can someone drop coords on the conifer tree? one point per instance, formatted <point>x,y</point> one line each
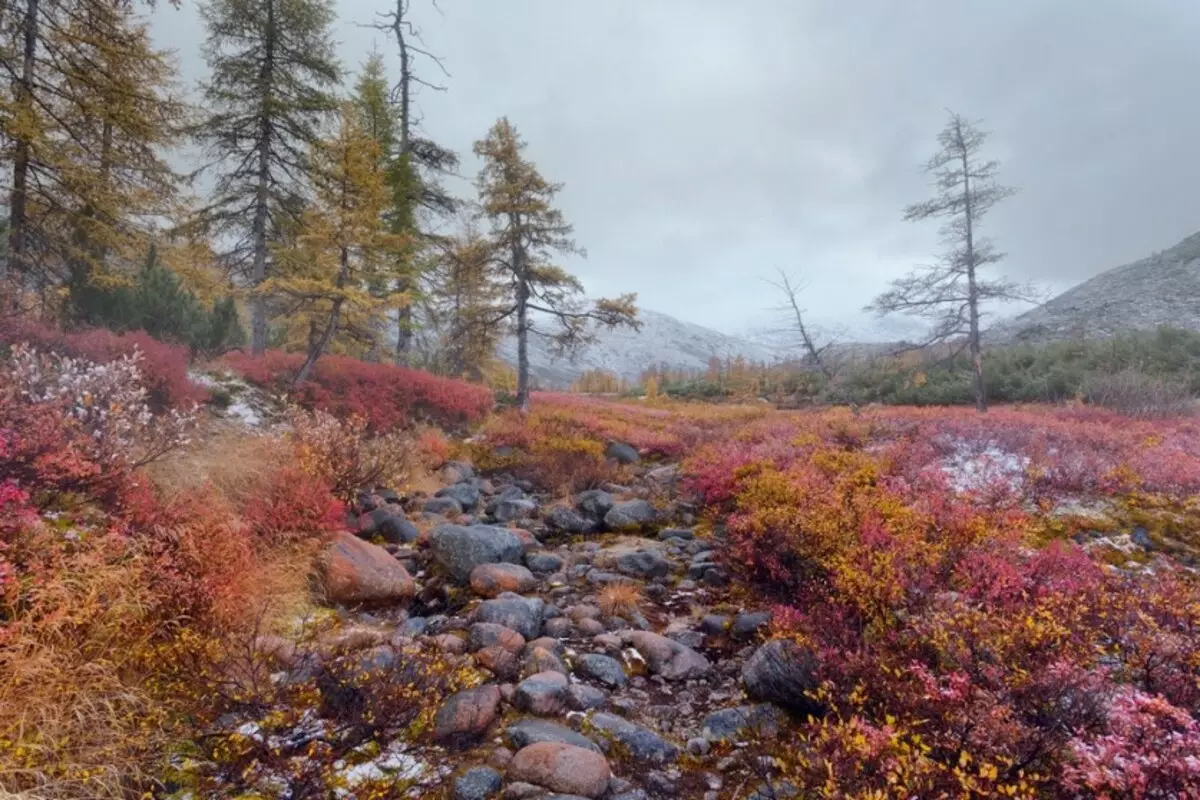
<point>90,114</point>
<point>464,302</point>
<point>273,71</point>
<point>527,231</point>
<point>343,253</point>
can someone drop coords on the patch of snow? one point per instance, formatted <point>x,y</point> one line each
<point>393,765</point>
<point>971,469</point>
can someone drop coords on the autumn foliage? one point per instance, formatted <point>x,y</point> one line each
<point>967,646</point>
<point>385,395</point>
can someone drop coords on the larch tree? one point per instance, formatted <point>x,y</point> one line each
<point>419,200</point>
<point>271,90</point>
<point>343,252</point>
<point>527,232</point>
<point>464,303</point>
<point>951,293</point>
<point>85,125</point>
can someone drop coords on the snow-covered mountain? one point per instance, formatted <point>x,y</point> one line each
<point>1163,289</point>
<point>663,339</point>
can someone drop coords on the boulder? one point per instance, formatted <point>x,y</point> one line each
<point>531,731</point>
<point>683,534</point>
<point>459,549</point>
<point>541,659</point>
<point>544,694</point>
<point>747,624</point>
<point>354,572</point>
<point>581,697</point>
<point>783,672</point>
<point>644,744</point>
<point>643,564</point>
<point>514,510</point>
<point>443,507</point>
<point>544,563</point>
<point>602,669</point>
<point>568,520</point>
<point>493,580</point>
<point>489,634</point>
<point>476,783</point>
<point>397,529</point>
<point>561,768</point>
<point>523,615</point>
<point>466,494</point>
<point>762,720</point>
<point>630,515</point>
<point>621,453</point>
<point>466,715</point>
<point>499,661</point>
<point>594,503</point>
<point>670,659</point>
<point>457,472</point>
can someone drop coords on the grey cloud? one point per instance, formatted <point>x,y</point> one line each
<point>703,144</point>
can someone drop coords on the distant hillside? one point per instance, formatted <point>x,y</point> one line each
<point>663,339</point>
<point>1163,289</point>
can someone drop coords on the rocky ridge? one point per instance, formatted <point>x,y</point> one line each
<point>607,660</point>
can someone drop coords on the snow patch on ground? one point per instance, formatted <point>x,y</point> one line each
<point>972,469</point>
<point>249,406</point>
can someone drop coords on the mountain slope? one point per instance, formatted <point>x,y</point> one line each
<point>1163,289</point>
<point>663,339</point>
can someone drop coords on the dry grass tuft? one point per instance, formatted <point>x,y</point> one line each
<point>224,456</point>
<point>620,599</point>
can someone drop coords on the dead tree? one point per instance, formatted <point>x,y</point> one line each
<point>949,294</point>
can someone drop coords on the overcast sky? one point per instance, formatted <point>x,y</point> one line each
<point>704,144</point>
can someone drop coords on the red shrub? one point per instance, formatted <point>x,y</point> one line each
<point>291,506</point>
<point>164,366</point>
<point>386,395</point>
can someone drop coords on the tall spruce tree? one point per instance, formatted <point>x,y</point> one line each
<point>527,231</point>
<point>271,89</point>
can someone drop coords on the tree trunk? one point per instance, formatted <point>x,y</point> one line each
<point>315,349</point>
<point>16,265</point>
<point>523,346</point>
<point>977,379</point>
<point>258,270</point>
<point>404,317</point>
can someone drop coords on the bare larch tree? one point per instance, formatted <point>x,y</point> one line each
<point>950,293</point>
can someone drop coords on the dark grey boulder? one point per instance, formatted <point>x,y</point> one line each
<point>748,624</point>
<point>531,731</point>
<point>602,669</point>
<point>630,515</point>
<point>621,453</point>
<point>514,510</point>
<point>443,506</point>
<point>676,533</point>
<point>763,720</point>
<point>459,549</point>
<point>396,529</point>
<point>644,744</point>
<point>477,783</point>
<point>783,672</point>
<point>643,564</point>
<point>466,494</point>
<point>581,697</point>
<point>568,520</point>
<point>544,563</point>
<point>594,503</point>
<point>522,614</point>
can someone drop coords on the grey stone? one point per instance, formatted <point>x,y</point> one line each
<point>544,563</point>
<point>630,515</point>
<point>528,731</point>
<point>477,783</point>
<point>715,624</point>
<point>466,494</point>
<point>621,452</point>
<point>747,624</point>
<point>644,744</point>
<point>676,533</point>
<point>601,668</point>
<point>666,657</point>
<point>568,520</point>
<point>783,672</point>
<point>415,626</point>
<point>581,697</point>
<point>522,614</point>
<point>513,510</point>
<point>763,720</point>
<point>643,564</point>
<point>457,472</point>
<point>460,549</point>
<point>544,694</point>
<point>594,503</point>
<point>1141,537</point>
<point>443,506</point>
